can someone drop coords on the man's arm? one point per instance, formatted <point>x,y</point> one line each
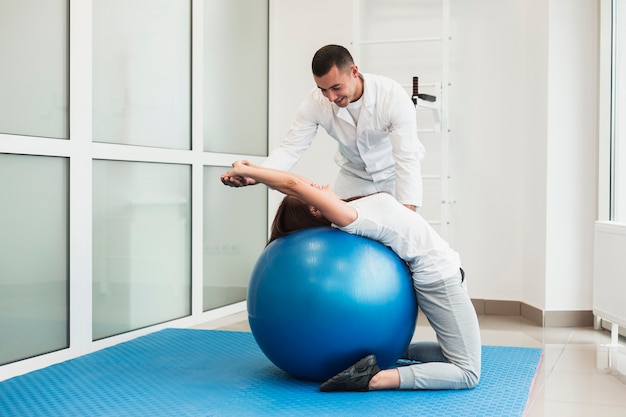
<point>298,139</point>
<point>407,150</point>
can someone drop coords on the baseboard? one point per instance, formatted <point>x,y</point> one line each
<point>497,307</point>
<point>542,318</point>
<point>568,318</point>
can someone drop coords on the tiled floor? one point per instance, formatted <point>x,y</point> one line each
<point>569,382</point>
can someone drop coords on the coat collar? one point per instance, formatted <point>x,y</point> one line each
<point>366,109</point>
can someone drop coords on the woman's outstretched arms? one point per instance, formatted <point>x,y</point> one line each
<point>321,198</point>
<point>279,180</point>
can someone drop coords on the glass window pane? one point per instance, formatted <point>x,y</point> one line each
<point>235,233</point>
<point>619,116</point>
<point>141,72</point>
<point>34,225</point>
<point>141,245</point>
<point>235,85</point>
<point>34,39</point>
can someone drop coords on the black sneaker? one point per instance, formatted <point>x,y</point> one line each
<point>355,378</point>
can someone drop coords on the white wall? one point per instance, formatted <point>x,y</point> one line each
<point>523,114</point>
<point>297,30</point>
<point>572,152</point>
<point>487,144</point>
<point>525,161</point>
<point>523,141</point>
<point>535,120</point>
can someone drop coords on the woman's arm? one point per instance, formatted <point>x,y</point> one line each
<point>321,198</point>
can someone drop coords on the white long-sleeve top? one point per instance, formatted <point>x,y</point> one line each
<point>382,147</point>
<point>380,217</point>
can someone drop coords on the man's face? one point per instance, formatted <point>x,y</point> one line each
<point>340,87</point>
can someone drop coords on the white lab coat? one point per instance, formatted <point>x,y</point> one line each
<point>381,153</point>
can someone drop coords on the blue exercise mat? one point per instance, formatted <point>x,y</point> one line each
<point>184,372</point>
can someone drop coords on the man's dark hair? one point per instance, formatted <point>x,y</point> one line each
<point>328,56</point>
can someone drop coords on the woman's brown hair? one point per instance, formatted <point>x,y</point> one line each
<point>292,215</point>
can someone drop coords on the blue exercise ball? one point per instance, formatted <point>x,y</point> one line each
<point>321,299</point>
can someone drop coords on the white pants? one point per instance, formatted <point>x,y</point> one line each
<point>347,186</point>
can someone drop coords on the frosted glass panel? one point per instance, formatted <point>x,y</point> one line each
<point>141,245</point>
<point>33,256</point>
<point>141,72</point>
<point>235,85</point>
<point>235,233</point>
<point>34,67</point>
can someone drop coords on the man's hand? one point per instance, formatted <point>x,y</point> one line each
<point>236,181</point>
<point>233,179</point>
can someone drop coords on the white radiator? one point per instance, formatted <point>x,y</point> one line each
<point>609,275</point>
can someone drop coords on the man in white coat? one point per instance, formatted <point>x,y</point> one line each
<point>373,120</point>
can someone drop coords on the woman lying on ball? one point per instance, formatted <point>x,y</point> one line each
<point>453,362</point>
